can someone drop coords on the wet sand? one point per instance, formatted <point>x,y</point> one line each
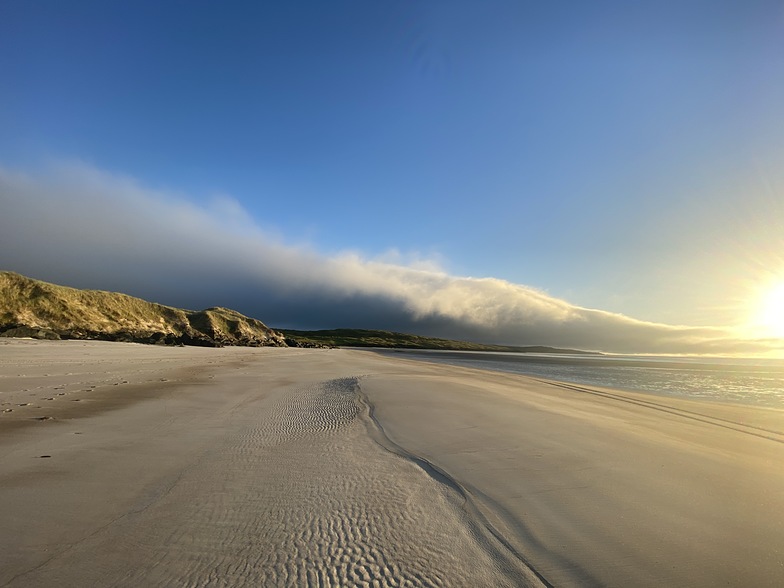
<point>286,467</point>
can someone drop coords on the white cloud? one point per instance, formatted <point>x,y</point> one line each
<point>228,210</point>
<point>79,225</point>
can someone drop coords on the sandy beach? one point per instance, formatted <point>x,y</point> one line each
<point>132,465</point>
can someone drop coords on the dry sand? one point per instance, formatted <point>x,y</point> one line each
<point>286,467</point>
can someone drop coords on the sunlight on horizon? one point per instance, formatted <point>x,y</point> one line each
<point>768,312</point>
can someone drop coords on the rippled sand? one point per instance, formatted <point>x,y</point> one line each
<point>296,489</point>
<point>128,465</point>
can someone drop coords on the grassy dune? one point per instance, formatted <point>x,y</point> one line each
<point>32,308</point>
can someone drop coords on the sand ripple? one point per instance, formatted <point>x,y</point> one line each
<point>304,497</point>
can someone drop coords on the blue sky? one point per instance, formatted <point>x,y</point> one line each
<point>624,157</point>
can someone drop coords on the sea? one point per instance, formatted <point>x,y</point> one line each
<point>747,381</point>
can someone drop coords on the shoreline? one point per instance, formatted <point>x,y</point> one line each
<point>585,485</point>
<point>753,382</point>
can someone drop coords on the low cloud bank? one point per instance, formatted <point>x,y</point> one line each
<point>83,227</point>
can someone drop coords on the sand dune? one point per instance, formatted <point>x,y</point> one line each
<point>32,308</point>
<point>291,467</point>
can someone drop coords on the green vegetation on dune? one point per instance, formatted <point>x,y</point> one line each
<point>32,308</point>
<point>370,338</point>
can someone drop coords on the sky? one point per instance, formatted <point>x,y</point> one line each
<point>601,175</point>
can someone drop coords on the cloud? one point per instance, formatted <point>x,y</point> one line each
<point>77,225</point>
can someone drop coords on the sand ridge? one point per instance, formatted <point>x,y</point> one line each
<point>297,494</point>
<point>601,488</point>
<point>336,467</point>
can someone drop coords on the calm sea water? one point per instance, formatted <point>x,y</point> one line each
<point>747,381</point>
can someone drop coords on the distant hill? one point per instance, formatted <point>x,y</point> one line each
<point>365,338</point>
<point>31,308</point>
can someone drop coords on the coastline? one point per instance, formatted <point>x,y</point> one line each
<point>571,485</point>
<point>743,381</point>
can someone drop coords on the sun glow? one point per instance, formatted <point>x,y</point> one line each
<point>770,312</point>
